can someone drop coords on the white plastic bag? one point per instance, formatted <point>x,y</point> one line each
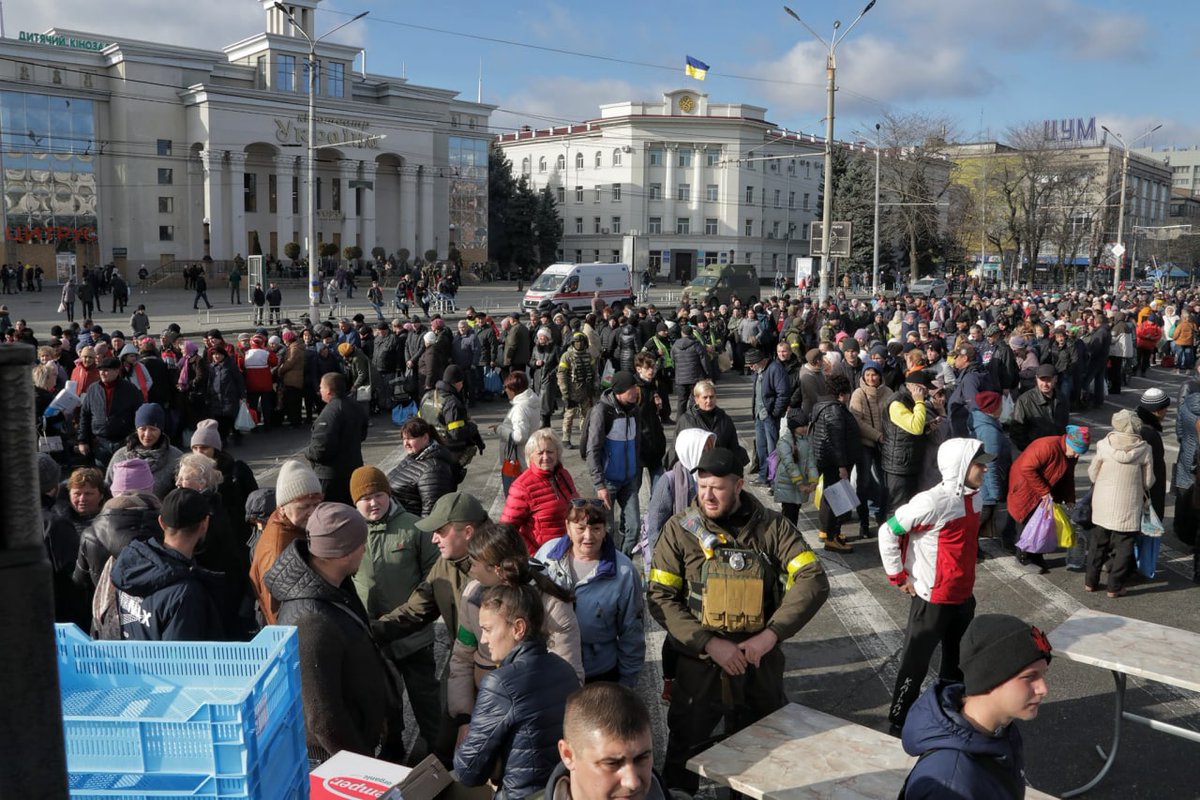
<point>1006,409</point>
<point>244,423</point>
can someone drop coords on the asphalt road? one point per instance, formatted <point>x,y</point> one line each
<point>844,661</point>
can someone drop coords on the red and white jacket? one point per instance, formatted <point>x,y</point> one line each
<point>934,538</point>
<point>259,363</point>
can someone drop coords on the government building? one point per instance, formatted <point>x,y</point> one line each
<point>138,153</point>
<point>676,183</point>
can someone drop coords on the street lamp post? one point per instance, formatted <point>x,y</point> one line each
<point>314,278</point>
<point>831,88</point>
<point>1120,248</point>
<point>875,238</point>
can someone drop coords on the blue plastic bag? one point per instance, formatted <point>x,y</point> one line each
<point>1145,551</point>
<point>1040,534</point>
<point>491,381</point>
<point>402,414</point>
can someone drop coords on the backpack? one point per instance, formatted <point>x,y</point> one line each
<point>106,613</point>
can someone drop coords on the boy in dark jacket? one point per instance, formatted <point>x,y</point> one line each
<point>964,732</point>
<point>163,594</point>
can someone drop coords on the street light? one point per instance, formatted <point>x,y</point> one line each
<point>830,71</point>
<point>314,280</point>
<point>1119,250</point>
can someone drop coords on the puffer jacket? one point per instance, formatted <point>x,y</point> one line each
<point>162,459</point>
<point>517,722</point>
<point>522,419</point>
<point>796,466</point>
<point>471,660</point>
<point>972,380</point>
<point>124,519</point>
<point>1147,335</point>
<point>716,421</point>
<point>226,389</point>
<point>625,347</point>
<point>942,527</point>
<point>957,752</point>
<point>165,596</point>
<point>544,379</point>
<point>537,505</point>
<point>835,437</point>
<point>989,431</point>
<point>1121,472</point>
<point>869,405</point>
<point>613,444</point>
<point>388,355</point>
<point>1042,468</point>
<point>691,361</point>
<point>420,479</point>
<point>1152,432</point>
<point>1185,433</point>
<point>609,607</point>
<point>344,683</point>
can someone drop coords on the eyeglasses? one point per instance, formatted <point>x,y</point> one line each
<point>584,502</point>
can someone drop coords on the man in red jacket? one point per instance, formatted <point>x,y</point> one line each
<point>1045,469</point>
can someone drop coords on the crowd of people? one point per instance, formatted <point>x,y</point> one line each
<point>949,420</point>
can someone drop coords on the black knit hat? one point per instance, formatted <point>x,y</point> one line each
<point>996,647</point>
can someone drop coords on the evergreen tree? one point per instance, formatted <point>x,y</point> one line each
<point>522,211</point>
<point>854,202</point>
<point>547,228</point>
<point>502,192</point>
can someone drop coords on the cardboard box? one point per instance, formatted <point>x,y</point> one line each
<point>350,776</point>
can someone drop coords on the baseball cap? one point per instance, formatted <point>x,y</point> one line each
<point>1047,371</point>
<point>453,507</point>
<point>719,461</point>
<point>184,508</point>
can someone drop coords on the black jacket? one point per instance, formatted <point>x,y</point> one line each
<point>517,721</point>
<point>1002,366</point>
<point>1152,434</point>
<point>335,450</point>
<point>834,435</point>
<point>625,348</point>
<point>226,388</point>
<point>344,682</point>
<point>123,520</point>
<point>111,425</point>
<point>716,421</point>
<point>691,361</point>
<point>971,381</point>
<point>653,448</point>
<point>902,452</point>
<point>165,596</point>
<point>389,354</point>
<point>1034,416</point>
<point>419,480</point>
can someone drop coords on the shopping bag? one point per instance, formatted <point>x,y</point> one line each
<point>362,394</point>
<point>491,381</point>
<point>1081,514</point>
<point>820,491</point>
<point>1039,535</point>
<point>1006,409</point>
<point>1145,551</point>
<point>1064,530</point>
<point>403,413</point>
<point>606,375</point>
<point>724,362</point>
<point>772,466</point>
<point>1151,525</point>
<point>244,422</point>
<point>62,307</point>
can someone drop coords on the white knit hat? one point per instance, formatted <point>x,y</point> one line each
<point>296,479</point>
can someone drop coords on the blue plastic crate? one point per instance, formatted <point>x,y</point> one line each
<point>181,708</point>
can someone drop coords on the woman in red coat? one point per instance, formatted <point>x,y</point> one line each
<point>540,497</point>
<point>86,371</point>
<point>1147,335</point>
<point>1044,469</point>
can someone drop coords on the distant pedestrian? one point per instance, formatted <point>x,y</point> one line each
<point>201,286</point>
<point>235,285</point>
<point>259,298</point>
<point>274,302</point>
<point>67,299</point>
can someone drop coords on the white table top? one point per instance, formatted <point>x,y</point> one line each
<point>799,753</point>
<point>1131,646</point>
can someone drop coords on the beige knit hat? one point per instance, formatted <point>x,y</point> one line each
<point>1127,421</point>
<point>296,479</point>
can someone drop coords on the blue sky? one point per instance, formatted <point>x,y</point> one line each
<point>987,65</point>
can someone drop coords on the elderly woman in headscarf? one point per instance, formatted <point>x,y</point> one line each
<point>543,372</point>
<point>835,364</point>
<point>896,326</point>
<point>193,385</point>
<point>1122,472</point>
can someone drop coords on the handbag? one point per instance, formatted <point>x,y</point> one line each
<point>363,393</point>
<point>510,467</point>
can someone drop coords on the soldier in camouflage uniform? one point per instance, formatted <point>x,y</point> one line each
<point>730,580</point>
<point>577,383</point>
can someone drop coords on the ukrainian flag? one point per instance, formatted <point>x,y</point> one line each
<point>695,68</point>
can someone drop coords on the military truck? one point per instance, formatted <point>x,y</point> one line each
<point>721,281</point>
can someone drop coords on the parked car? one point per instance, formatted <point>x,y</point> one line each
<point>931,287</point>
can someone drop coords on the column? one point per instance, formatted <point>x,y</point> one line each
<point>367,212</point>
<point>214,205</point>
<point>237,204</point>
<point>427,233</point>
<point>669,187</point>
<point>284,223</point>
<point>408,210</point>
<point>348,171</point>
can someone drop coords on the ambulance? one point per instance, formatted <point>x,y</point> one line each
<point>575,285</point>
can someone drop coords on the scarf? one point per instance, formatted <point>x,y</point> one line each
<point>189,349</point>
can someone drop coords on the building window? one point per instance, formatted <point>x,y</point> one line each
<point>748,230</point>
<point>616,192</point>
<point>804,231</point>
<point>711,192</point>
<point>599,159</point>
<point>791,199</point>
<point>749,194</point>
<point>542,164</point>
<point>578,162</point>
<point>595,224</point>
<point>337,194</point>
<point>166,176</point>
<point>684,192</point>
<point>656,191</point>
<point>617,157</point>
<point>560,163</point>
<point>615,256</point>
<point>525,166</point>
<point>711,157</point>
<point>273,194</point>
<point>164,147</point>
<point>599,192</point>
<point>578,256</point>
<point>654,225</point>
<point>684,157</point>
<point>792,167</point>
<point>285,74</point>
<point>710,226</point>
<point>775,229</point>
<point>578,194</point>
<point>250,190</point>
<point>775,262</point>
<point>710,258</point>
<point>335,80</point>
<point>656,156</point>
<point>804,204</point>
<point>764,195</point>
<point>166,205</point>
<point>777,198</point>
<point>260,72</point>
<point>615,227</point>
<point>295,194</point>
<point>579,224</point>
<point>166,233</point>
<point>654,261</point>
<point>560,195</point>
<point>808,169</point>
<point>683,225</point>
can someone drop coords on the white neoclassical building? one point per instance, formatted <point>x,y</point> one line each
<point>694,182</point>
<point>132,152</point>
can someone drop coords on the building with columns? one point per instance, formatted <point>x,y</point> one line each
<point>139,153</point>
<point>694,182</point>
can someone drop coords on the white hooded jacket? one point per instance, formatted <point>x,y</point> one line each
<point>934,538</point>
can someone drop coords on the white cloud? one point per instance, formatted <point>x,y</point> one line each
<point>1133,127</point>
<point>557,101</point>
